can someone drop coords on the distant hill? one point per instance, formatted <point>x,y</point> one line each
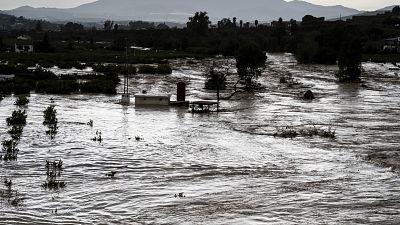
<point>9,22</point>
<point>372,13</point>
<point>180,10</point>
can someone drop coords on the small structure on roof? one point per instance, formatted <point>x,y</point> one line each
<point>148,99</point>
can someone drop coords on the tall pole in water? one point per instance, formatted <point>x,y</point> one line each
<point>125,96</point>
<point>126,66</point>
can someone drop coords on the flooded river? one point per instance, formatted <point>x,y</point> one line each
<point>229,167</point>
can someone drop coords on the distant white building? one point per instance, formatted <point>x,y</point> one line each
<point>4,77</point>
<point>23,48</point>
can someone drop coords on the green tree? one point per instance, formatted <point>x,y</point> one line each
<point>249,60</point>
<point>198,23</point>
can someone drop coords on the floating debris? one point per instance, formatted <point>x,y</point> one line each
<point>90,123</point>
<point>111,174</point>
<point>138,138</point>
<point>98,137</point>
<point>180,195</point>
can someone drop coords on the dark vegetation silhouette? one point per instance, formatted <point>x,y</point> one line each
<point>312,40</point>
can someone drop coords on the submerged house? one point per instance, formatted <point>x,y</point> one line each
<point>146,99</point>
<point>392,44</point>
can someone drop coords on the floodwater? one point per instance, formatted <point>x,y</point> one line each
<point>228,166</point>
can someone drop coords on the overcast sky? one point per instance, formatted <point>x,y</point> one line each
<point>357,4</point>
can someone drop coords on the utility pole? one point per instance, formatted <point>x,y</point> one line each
<point>126,96</point>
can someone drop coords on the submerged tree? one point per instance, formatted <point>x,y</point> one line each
<point>216,80</point>
<point>350,61</point>
<point>249,60</point>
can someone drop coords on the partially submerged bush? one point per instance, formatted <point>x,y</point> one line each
<point>22,101</point>
<point>50,120</point>
<point>50,115</point>
<point>18,118</point>
<point>53,171</point>
<point>147,69</point>
<point>114,68</point>
<point>99,86</point>
<point>12,196</point>
<point>164,69</point>
<point>16,132</point>
<point>349,61</point>
<point>57,86</point>
<point>215,80</point>
<point>311,131</point>
<point>9,150</point>
<point>288,132</point>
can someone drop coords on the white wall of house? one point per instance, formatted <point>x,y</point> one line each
<point>152,99</point>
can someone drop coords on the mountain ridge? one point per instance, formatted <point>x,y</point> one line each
<point>180,10</point>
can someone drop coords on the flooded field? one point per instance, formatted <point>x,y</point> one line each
<point>229,166</point>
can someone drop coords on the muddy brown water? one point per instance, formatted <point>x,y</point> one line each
<point>229,167</point>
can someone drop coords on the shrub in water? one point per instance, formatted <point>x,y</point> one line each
<point>147,69</point>
<point>50,115</point>
<point>164,69</point>
<point>9,150</point>
<point>16,132</point>
<point>18,118</point>
<point>57,86</point>
<point>22,101</point>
